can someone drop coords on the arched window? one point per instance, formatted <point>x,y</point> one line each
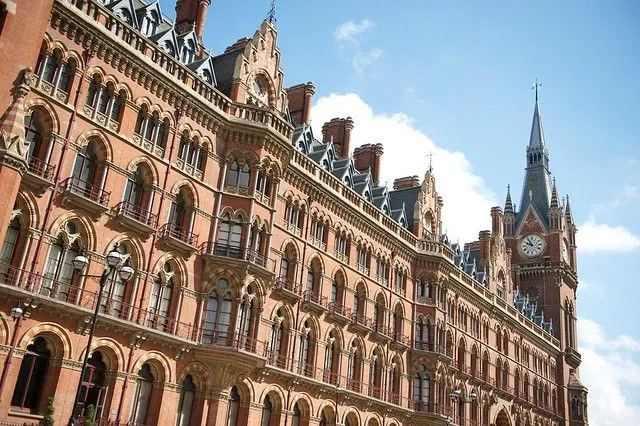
<point>279,339</point>
<point>151,127</point>
<point>485,367</point>
<point>218,316</point>
<point>354,368</point>
<point>150,23</point>
<point>375,388</point>
<point>359,303</point>
<point>187,394</point>
<point>267,410</point>
<point>462,356</point>
<point>114,289</point>
<point>258,244</point>
<point>263,187</point>
<point>142,395</point>
<point>138,195</point>
<point>288,267</point>
<point>295,419</point>
<point>421,389</point>
<point>59,271</point>
<point>394,381</point>
<point>313,288</point>
<point>307,350</point>
<point>90,172</point>
<point>160,301</point>
<point>238,178</point>
<point>9,246</point>
<point>94,379</point>
<point>55,71</point>
<point>28,392</point>
<point>474,361</point>
<point>422,334</point>
<point>332,359</point>
<point>182,217</point>
<point>234,407</point>
<point>229,237</point>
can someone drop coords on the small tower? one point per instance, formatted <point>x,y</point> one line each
<point>509,214</point>
<point>555,210</point>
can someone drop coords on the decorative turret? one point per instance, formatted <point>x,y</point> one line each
<point>567,212</point>
<point>555,210</point>
<point>509,214</point>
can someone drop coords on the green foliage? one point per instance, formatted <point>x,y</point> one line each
<point>89,414</point>
<point>48,415</point>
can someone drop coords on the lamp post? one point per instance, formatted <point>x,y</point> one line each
<point>112,269</point>
<point>18,313</point>
<point>455,396</point>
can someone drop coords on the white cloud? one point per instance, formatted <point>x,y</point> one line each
<point>598,237</point>
<point>467,201</point>
<point>362,61</point>
<point>611,371</point>
<point>351,30</point>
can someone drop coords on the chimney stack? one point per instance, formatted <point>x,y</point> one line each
<point>300,98</point>
<point>338,130</point>
<point>369,156</point>
<point>191,14</point>
<point>406,182</point>
<point>497,221</point>
<point>485,244</point>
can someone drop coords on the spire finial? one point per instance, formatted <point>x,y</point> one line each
<point>535,87</point>
<point>430,161</point>
<point>271,16</point>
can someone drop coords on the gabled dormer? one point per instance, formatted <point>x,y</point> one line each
<point>149,18</point>
<point>124,10</point>
<point>168,41</point>
<point>204,69</point>
<point>187,47</point>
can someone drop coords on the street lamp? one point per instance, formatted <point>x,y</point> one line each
<point>19,312</point>
<point>112,269</point>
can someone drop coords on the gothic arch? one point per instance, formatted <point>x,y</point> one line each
<point>31,214</point>
<point>200,374</point>
<point>103,142</point>
<point>193,192</point>
<point>137,256</point>
<point>114,355</point>
<point>57,338</point>
<point>502,419</point>
<point>159,363</point>
<point>50,116</point>
<point>58,226</point>
<point>146,161</point>
<point>278,392</point>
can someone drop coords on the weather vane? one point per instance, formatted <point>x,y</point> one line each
<point>271,16</point>
<point>535,87</point>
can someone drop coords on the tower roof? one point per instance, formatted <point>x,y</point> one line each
<point>536,140</point>
<point>508,204</point>
<point>554,195</point>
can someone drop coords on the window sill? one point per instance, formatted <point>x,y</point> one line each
<point>17,412</point>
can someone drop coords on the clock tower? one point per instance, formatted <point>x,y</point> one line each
<point>541,235</point>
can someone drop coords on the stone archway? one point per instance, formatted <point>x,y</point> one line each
<point>502,419</point>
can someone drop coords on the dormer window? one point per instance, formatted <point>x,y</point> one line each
<point>168,47</point>
<point>188,52</point>
<point>150,24</point>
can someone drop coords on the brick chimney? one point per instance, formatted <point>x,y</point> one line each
<point>485,244</point>
<point>369,156</point>
<point>406,182</point>
<point>497,221</point>
<point>300,97</point>
<point>191,14</point>
<point>338,130</point>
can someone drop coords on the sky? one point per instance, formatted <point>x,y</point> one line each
<point>454,79</point>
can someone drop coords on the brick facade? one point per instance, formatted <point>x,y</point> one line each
<point>267,290</point>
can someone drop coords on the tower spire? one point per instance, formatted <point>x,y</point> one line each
<point>508,204</point>
<point>567,212</point>
<point>536,140</point>
<point>554,195</point>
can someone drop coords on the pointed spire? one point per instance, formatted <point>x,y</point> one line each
<point>567,212</point>
<point>13,143</point>
<point>554,195</point>
<point>536,140</point>
<point>508,204</point>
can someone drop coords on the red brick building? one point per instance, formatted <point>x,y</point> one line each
<point>275,281</point>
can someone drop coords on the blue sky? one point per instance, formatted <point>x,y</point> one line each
<point>455,77</point>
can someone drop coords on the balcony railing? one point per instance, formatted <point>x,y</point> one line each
<point>86,190</point>
<point>179,233</point>
<point>213,248</point>
<point>135,212</point>
<point>41,169</point>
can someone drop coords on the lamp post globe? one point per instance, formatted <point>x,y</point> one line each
<point>16,312</point>
<point>126,271</point>
<point>114,257</point>
<point>80,262</point>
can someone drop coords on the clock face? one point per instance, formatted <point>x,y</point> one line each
<point>532,245</point>
<point>260,88</point>
<point>565,251</point>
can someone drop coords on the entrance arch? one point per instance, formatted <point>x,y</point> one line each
<point>503,419</point>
